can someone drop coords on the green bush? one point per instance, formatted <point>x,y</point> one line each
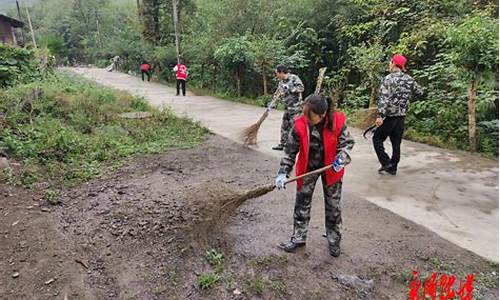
<point>18,65</point>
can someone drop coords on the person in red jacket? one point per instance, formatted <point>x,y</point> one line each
<point>146,69</point>
<point>181,73</point>
<point>319,137</point>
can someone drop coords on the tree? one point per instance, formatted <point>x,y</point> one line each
<point>234,54</point>
<point>266,52</point>
<point>475,49</point>
<point>151,20</point>
<point>370,61</point>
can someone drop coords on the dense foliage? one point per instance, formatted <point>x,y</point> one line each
<point>231,46</point>
<point>19,65</point>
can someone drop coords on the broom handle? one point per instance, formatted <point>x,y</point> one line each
<point>321,170</point>
<point>321,76</point>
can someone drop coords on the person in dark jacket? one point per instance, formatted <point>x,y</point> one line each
<point>289,90</point>
<point>395,93</point>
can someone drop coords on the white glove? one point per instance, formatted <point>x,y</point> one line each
<point>280,181</point>
<point>338,165</point>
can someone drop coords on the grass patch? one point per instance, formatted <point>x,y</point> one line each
<point>172,277</point>
<point>216,260</point>
<point>52,196</point>
<point>208,280</point>
<point>74,131</point>
<point>268,260</point>
<point>256,286</point>
<point>279,287</point>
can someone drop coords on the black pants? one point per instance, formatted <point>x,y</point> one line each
<point>148,74</point>
<point>393,127</point>
<point>182,83</point>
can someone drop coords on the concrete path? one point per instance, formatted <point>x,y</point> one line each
<point>452,193</point>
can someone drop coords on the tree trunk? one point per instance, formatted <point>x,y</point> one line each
<point>264,81</point>
<point>139,9</point>
<point>214,79</point>
<point>84,16</point>
<point>176,28</point>
<point>472,113</point>
<point>202,75</point>
<point>238,83</point>
<point>156,21</point>
<point>373,97</point>
<point>239,78</point>
<point>98,29</point>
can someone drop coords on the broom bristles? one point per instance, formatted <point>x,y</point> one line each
<point>249,135</point>
<point>233,203</point>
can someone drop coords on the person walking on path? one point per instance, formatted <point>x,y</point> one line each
<point>114,63</point>
<point>289,90</point>
<point>145,69</point>
<point>396,91</point>
<point>181,74</point>
<point>320,137</point>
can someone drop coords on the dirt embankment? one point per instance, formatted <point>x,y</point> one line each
<point>142,233</point>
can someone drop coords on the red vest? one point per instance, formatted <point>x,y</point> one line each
<point>330,140</point>
<point>145,67</point>
<point>181,72</point>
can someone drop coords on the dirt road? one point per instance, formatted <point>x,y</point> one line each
<point>449,192</point>
<point>141,232</point>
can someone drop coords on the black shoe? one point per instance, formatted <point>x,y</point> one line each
<point>392,172</point>
<point>385,168</point>
<point>279,147</point>
<point>334,250</point>
<point>291,247</point>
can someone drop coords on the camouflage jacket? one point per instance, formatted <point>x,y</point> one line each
<point>395,93</point>
<point>316,149</point>
<point>290,92</point>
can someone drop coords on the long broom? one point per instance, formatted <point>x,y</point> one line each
<point>249,135</point>
<point>234,202</point>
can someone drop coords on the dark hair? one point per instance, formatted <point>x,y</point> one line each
<point>320,104</point>
<point>281,69</point>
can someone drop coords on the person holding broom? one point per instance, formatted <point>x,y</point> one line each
<point>289,90</point>
<point>318,138</point>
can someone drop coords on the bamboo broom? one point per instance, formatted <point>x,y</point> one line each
<point>234,202</point>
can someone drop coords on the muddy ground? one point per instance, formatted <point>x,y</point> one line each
<point>142,232</point>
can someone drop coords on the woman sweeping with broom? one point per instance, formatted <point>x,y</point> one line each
<point>320,138</point>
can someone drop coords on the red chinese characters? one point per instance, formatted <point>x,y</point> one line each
<point>441,289</point>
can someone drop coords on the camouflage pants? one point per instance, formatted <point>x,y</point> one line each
<point>287,123</point>
<point>302,213</point>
